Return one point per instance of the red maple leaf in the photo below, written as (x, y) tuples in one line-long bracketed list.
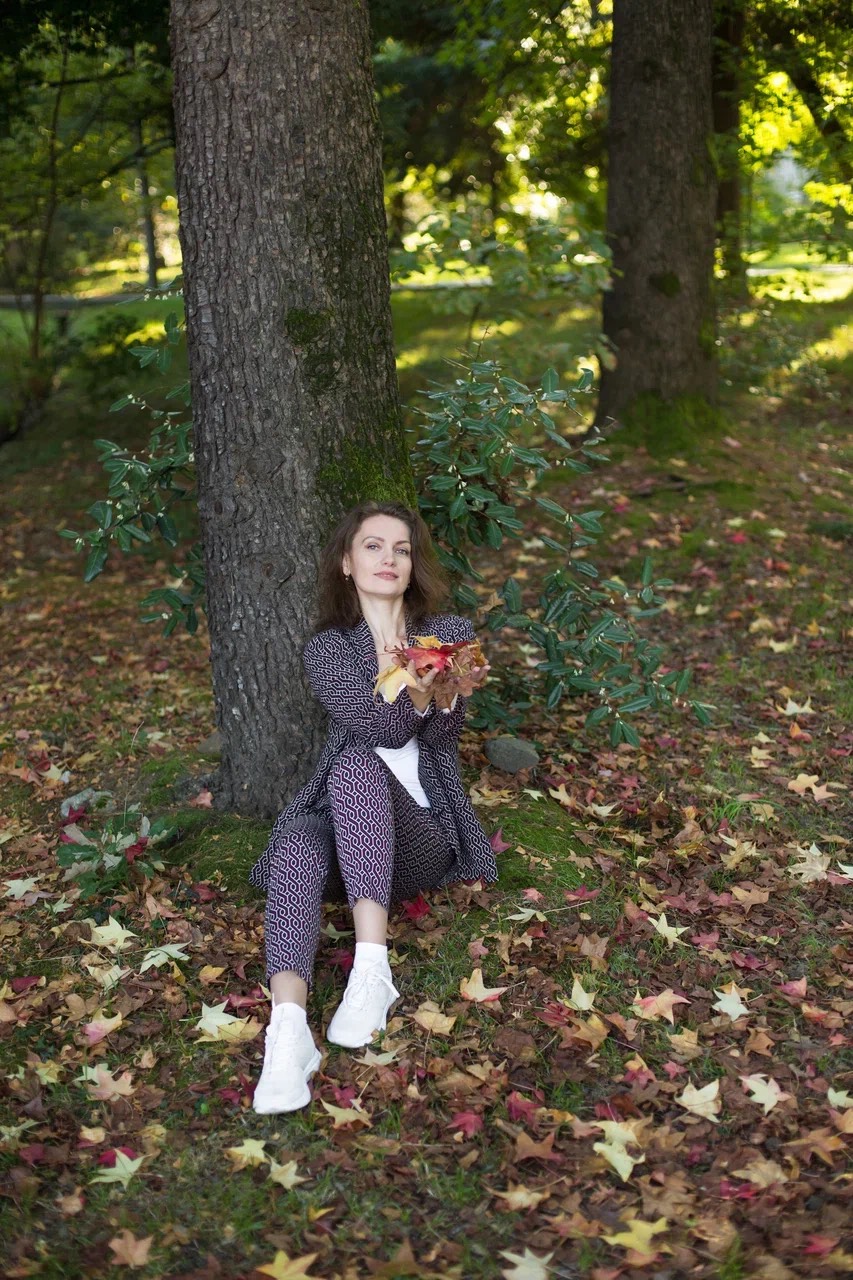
[(497, 841), (468, 1121), (416, 908)]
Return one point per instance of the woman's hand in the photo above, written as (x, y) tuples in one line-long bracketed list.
[(421, 694)]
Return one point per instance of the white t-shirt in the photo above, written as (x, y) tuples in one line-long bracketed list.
[(403, 763)]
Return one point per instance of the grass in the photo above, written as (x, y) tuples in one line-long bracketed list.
[(368, 1191)]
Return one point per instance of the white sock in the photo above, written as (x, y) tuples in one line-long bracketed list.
[(287, 1009), (371, 953)]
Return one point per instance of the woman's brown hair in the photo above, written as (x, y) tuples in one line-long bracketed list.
[(337, 599)]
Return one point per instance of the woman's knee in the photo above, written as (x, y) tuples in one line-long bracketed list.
[(355, 761)]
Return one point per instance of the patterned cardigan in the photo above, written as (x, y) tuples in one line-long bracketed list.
[(341, 665)]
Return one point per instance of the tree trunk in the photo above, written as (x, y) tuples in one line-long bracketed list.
[(295, 404), (148, 228), (659, 311), (729, 30)]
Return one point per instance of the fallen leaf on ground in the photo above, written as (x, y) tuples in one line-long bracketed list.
[(765, 1091), (527, 1265), (249, 1153), (661, 1006), (429, 1016), (472, 989), (639, 1235), (704, 1102), (130, 1251), (284, 1268)]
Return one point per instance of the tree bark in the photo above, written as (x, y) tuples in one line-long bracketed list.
[(295, 403), (659, 311)]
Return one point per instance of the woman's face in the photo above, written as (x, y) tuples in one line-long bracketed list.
[(381, 558)]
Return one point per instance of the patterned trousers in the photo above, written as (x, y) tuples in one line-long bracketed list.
[(377, 843)]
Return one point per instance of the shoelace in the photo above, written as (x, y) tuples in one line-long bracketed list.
[(361, 986)]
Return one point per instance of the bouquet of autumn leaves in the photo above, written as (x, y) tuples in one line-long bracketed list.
[(459, 668)]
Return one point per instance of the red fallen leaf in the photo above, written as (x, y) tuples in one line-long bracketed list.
[(35, 1153), (71, 816), (467, 1121), (344, 1096), (20, 985), (738, 537), (341, 959), (251, 1001), (204, 800), (674, 1069), (416, 908), (797, 988), (738, 1190), (133, 851), (747, 962), (476, 949), (532, 895), (162, 664), (555, 1014), (497, 841), (204, 891), (108, 1158), (821, 1245), (581, 894), (520, 1109), (706, 940)]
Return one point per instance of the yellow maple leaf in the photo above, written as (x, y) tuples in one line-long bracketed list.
[(704, 1102), (527, 1265), (343, 1116), (660, 1006), (429, 1016), (730, 1002), (520, 1197), (639, 1235), (669, 932), (284, 1268), (104, 1087), (472, 989), (285, 1175), (249, 1153), (763, 1090), (112, 935), (580, 999)]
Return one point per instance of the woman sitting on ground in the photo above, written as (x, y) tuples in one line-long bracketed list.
[(385, 814)]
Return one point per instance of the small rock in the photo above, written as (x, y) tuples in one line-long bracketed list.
[(88, 799), (211, 745), (511, 754)]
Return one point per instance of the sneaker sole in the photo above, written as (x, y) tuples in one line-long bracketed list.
[(277, 1104), (359, 1044)]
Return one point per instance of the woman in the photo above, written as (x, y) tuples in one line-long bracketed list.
[(385, 813)]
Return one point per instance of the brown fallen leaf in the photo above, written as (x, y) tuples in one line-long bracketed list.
[(130, 1251), (527, 1148)]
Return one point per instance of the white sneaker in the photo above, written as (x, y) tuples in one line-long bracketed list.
[(290, 1059), (364, 1009)]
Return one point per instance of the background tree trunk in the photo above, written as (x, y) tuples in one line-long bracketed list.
[(659, 312), (729, 31), (295, 402)]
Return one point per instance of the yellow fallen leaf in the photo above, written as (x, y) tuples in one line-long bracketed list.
[(761, 1172), (429, 1016), (520, 1197), (110, 935), (472, 989), (343, 1116), (580, 999), (704, 1102), (284, 1268), (210, 972), (618, 1136), (249, 1153), (661, 1006), (527, 1265), (639, 1235), (285, 1175), (730, 1002), (764, 1091)]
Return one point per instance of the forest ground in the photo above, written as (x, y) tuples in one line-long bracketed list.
[(656, 1078)]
